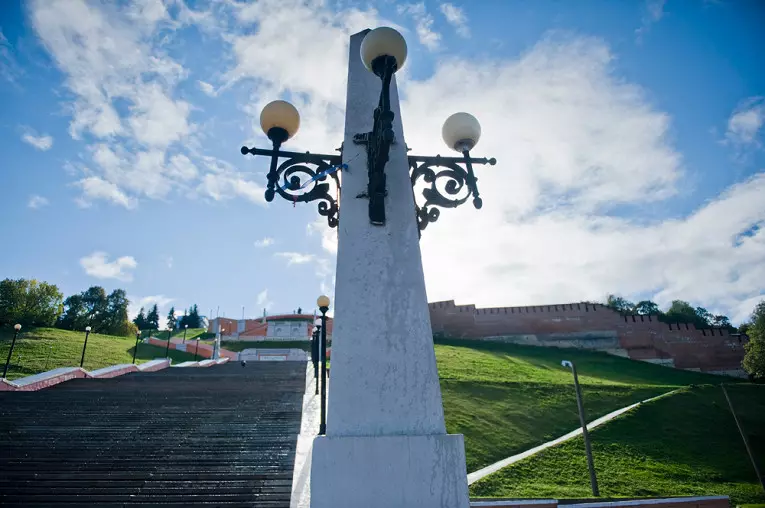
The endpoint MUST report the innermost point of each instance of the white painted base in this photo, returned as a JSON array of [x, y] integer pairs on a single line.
[[389, 471]]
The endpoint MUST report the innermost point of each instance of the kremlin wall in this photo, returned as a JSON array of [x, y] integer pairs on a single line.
[[595, 327]]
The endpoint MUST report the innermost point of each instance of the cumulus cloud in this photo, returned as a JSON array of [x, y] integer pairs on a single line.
[[207, 88], [98, 265], [457, 18], [221, 187], [653, 12], [295, 258], [423, 24], [94, 187], [36, 202], [42, 143], [264, 242], [745, 122]]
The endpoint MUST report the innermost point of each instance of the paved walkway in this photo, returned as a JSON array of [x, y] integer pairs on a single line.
[[493, 468], [309, 428]]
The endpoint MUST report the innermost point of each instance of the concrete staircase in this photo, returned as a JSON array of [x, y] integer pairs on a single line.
[[217, 436]]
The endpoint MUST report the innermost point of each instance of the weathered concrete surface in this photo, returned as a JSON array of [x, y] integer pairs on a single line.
[[389, 471]]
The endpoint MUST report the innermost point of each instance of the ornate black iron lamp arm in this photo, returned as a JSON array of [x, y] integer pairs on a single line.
[[378, 141], [456, 179], [300, 182]]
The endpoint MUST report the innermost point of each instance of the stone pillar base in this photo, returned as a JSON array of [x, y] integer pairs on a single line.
[[389, 472]]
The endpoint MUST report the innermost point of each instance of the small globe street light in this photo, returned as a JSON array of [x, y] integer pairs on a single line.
[[185, 327], [137, 340], [85, 345], [16, 329], [383, 52]]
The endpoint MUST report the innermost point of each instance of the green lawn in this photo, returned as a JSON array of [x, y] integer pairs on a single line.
[[683, 444], [507, 398], [191, 333], [236, 345], [41, 349]]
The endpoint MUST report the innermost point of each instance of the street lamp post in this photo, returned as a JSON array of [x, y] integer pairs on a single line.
[[585, 434], [196, 351], [137, 340], [315, 352], [323, 303], [16, 329], [386, 398], [185, 327], [167, 348], [85, 345]]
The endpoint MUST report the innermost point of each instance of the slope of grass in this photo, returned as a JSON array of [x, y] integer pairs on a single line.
[[41, 349], [507, 398], [684, 444], [191, 333]]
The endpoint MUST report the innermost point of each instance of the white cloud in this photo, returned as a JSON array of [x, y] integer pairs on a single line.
[[456, 17], [423, 24], [42, 143], [653, 12], [224, 186], [97, 265], [36, 202], [746, 121], [295, 258], [10, 70], [207, 88], [264, 242], [94, 187], [136, 302], [262, 301]]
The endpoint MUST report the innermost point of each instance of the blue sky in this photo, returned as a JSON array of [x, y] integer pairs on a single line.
[[629, 137]]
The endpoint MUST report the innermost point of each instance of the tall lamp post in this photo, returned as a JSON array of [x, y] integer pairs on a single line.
[[323, 303], [16, 329], [167, 348], [196, 351], [185, 327], [585, 434], [85, 345], [137, 340], [386, 398], [315, 352]]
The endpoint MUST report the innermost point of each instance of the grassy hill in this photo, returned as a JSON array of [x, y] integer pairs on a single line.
[[683, 444], [41, 349], [191, 333], [507, 398]]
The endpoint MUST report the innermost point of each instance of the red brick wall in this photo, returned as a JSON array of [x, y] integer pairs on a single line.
[[596, 327]]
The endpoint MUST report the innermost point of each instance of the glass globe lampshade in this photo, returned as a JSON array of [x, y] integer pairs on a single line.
[[461, 132], [383, 41], [280, 115], [322, 301]]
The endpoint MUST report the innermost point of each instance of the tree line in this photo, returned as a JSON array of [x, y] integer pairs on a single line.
[[678, 312], [150, 320], [30, 302]]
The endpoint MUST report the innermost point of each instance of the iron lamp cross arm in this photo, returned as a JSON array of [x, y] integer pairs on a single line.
[[303, 175], [450, 193]]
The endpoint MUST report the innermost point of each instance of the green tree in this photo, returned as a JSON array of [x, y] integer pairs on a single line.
[[171, 319], [682, 312], [193, 319], [75, 315], [646, 308], [754, 360], [620, 304], [96, 304], [721, 321], [140, 319], [152, 318], [29, 302], [116, 316]]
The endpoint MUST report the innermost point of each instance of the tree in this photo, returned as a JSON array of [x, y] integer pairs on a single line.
[[74, 317], [140, 319], [647, 308], [620, 304], [116, 315], [29, 302], [96, 304], [722, 322], [754, 360], [171, 319], [193, 319], [152, 318]]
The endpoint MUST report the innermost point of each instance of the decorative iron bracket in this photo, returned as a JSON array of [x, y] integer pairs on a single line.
[[378, 141], [456, 179], [301, 183]]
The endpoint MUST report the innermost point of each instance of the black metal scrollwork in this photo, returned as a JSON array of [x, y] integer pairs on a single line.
[[299, 182], [447, 188]]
